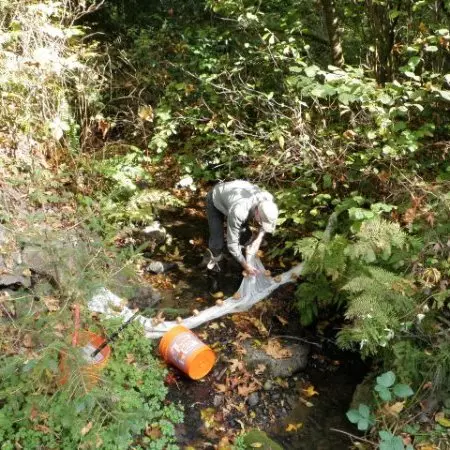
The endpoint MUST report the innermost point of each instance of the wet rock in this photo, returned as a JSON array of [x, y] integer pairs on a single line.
[[144, 297], [160, 267], [254, 437], [363, 392], [278, 367], [57, 257], [292, 401], [12, 280], [253, 399], [155, 233], [218, 400]]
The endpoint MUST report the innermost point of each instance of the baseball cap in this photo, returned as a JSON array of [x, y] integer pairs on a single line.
[[268, 212]]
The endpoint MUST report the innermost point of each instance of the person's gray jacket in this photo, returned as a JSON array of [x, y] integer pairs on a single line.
[[237, 200]]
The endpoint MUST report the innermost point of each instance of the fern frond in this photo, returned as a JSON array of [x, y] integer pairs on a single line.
[[377, 237]]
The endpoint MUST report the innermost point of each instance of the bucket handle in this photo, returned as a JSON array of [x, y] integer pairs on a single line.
[[114, 335]]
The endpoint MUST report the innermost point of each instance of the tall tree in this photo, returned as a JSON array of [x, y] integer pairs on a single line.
[[383, 34], [333, 29]]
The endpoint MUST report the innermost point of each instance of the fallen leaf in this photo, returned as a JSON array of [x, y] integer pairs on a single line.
[[305, 402], [146, 113], [51, 303], [86, 428], [153, 432], [241, 336], [349, 134], [224, 444], [104, 127], [309, 391], [208, 417], [406, 439], [26, 273], [442, 420], [283, 321], [28, 341], [281, 382], [274, 349], [214, 326], [33, 413], [130, 359], [293, 426], [410, 215], [258, 324], [236, 364], [59, 327], [396, 408], [246, 389], [217, 295], [220, 387], [42, 428], [256, 445], [260, 368], [98, 442], [170, 379]]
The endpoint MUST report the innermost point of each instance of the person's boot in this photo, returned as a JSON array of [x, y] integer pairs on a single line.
[[210, 261], [212, 278]]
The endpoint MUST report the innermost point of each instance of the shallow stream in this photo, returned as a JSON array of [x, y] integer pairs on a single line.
[[299, 422]]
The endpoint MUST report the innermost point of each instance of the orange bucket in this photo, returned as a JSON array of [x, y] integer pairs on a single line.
[[88, 368], [182, 348]]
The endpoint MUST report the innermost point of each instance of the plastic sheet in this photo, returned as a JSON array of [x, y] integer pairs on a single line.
[[252, 290]]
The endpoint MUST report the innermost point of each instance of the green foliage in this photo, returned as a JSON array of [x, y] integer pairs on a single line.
[[116, 191], [129, 397], [361, 417], [368, 420], [40, 42], [388, 441], [356, 271], [385, 387]]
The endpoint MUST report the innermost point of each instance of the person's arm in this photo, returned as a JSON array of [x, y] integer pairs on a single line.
[[252, 249], [233, 231], [235, 220]]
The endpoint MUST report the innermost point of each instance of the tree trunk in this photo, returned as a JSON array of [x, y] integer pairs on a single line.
[[332, 23], [383, 34]]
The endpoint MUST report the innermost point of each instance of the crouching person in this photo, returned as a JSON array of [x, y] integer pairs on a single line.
[[238, 202]]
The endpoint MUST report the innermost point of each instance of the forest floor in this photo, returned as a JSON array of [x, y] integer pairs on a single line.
[[301, 411]]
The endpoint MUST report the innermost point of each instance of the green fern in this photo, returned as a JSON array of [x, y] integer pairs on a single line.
[[377, 237], [358, 271]]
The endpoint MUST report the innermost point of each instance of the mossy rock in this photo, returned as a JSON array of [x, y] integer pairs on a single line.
[[259, 437]]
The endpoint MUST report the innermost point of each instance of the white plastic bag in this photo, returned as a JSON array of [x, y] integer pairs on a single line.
[[252, 290]]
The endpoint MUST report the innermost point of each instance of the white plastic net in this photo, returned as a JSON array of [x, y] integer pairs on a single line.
[[252, 290]]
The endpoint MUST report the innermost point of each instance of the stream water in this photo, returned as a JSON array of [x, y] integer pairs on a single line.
[[301, 423]]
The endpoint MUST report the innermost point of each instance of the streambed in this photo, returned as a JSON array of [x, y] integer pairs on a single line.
[[284, 408]]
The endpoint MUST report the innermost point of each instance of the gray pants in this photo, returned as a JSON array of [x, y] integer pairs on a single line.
[[215, 222]]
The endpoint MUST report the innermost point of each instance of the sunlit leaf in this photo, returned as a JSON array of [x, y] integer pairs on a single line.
[[294, 426], [309, 391]]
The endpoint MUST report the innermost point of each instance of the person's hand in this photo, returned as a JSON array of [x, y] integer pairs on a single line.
[[250, 269]]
